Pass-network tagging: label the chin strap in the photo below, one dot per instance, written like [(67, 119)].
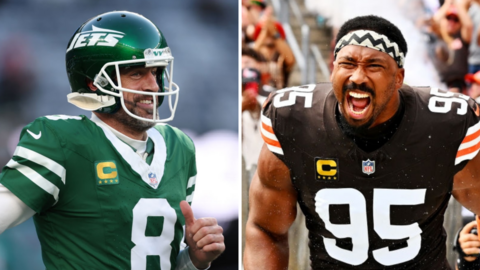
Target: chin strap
[(90, 101)]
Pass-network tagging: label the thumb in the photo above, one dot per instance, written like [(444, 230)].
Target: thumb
[(468, 227), (187, 213), (478, 224)]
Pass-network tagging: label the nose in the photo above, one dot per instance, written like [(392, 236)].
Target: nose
[(150, 83), (358, 76)]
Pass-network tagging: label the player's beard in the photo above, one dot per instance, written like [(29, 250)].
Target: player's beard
[(363, 130), (355, 130), (349, 126), (130, 122)]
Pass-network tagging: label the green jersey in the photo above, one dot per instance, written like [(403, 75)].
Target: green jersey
[(98, 204)]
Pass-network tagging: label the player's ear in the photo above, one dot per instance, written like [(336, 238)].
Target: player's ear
[(331, 73), (399, 76), (90, 84)]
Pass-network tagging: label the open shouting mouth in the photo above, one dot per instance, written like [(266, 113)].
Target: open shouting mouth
[(358, 104)]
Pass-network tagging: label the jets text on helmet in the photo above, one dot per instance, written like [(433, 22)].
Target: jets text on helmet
[(96, 37)]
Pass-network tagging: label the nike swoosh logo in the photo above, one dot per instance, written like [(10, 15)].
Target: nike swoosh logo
[(35, 136)]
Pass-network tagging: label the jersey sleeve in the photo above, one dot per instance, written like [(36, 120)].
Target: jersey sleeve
[(269, 120), (192, 176), (185, 151), (36, 172), (470, 145)]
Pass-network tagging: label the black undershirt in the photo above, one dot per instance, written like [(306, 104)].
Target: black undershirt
[(373, 138)]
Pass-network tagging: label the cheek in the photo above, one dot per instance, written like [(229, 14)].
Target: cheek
[(127, 96), (129, 84), (337, 84)]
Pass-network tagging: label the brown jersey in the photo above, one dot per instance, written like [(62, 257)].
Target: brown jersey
[(382, 209)]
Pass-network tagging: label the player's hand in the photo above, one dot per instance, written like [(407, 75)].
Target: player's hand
[(203, 236), (469, 242)]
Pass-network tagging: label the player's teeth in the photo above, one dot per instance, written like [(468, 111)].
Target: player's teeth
[(146, 101), (360, 112), (358, 95)]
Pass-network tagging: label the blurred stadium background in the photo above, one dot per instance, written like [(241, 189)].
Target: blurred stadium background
[(203, 36)]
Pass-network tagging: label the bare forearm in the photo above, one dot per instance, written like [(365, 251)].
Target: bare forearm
[(265, 251), (285, 50), (469, 198)]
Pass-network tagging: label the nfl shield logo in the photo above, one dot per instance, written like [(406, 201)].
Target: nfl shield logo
[(368, 166), (153, 179)]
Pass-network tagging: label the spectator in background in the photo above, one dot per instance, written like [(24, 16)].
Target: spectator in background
[(467, 243), (247, 26), (473, 18), (254, 92), (253, 59), (474, 81), (451, 50), (270, 41), (252, 11), (251, 138)]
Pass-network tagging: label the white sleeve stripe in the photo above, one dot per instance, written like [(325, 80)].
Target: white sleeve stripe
[(190, 197), (469, 144), (473, 129), (41, 160), (266, 120), (191, 181), (275, 149), (466, 157), (268, 134), (36, 178)]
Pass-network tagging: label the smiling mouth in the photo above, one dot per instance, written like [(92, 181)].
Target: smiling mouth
[(145, 101), (358, 102)]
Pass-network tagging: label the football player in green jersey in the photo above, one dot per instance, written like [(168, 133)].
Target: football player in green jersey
[(113, 191)]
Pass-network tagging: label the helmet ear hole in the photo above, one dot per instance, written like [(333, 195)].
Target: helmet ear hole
[(90, 84)]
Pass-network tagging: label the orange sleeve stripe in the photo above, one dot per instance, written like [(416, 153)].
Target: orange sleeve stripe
[(270, 141), (267, 128), (469, 150), (471, 137)]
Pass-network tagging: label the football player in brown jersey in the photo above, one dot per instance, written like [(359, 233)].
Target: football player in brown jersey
[(371, 161)]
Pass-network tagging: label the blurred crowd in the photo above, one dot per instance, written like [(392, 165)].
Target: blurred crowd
[(266, 65)]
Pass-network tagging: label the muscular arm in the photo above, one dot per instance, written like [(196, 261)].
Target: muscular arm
[(273, 209), (12, 210), (466, 185)]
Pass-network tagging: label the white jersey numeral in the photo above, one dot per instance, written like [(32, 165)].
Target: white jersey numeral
[(441, 102), (357, 230), (302, 91), (152, 245)]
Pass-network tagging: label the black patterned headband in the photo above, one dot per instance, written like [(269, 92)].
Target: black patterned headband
[(373, 40)]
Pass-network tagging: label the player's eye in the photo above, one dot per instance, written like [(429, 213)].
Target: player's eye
[(375, 66), (346, 64)]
